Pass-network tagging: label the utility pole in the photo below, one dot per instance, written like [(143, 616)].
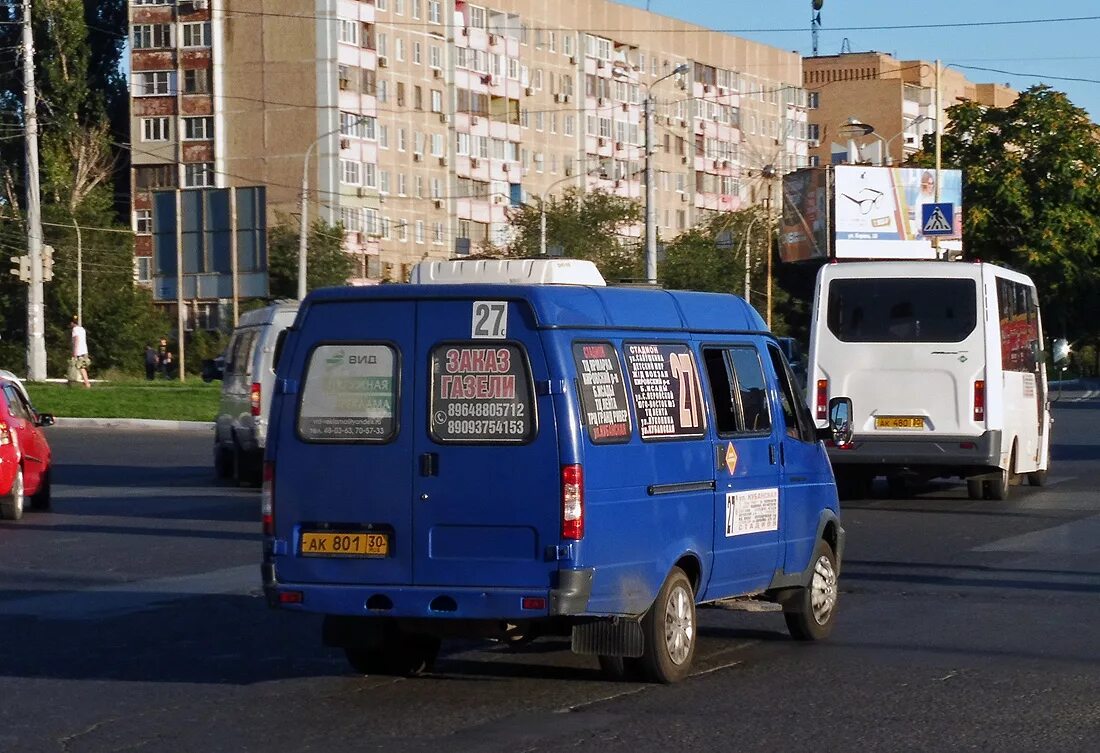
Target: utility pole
[(939, 119), (36, 342), (770, 174), (650, 203)]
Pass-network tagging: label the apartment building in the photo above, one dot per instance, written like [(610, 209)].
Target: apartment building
[(896, 97), (418, 124)]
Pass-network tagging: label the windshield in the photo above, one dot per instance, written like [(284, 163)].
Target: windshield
[(926, 310)]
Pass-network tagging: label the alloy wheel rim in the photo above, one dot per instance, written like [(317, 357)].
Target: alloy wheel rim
[(823, 591), (679, 625)]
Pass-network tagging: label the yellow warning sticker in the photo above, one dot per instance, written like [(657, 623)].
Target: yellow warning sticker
[(731, 458)]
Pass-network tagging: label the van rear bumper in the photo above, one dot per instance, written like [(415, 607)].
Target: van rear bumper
[(942, 451), (437, 602)]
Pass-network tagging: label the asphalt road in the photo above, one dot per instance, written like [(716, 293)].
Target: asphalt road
[(131, 619)]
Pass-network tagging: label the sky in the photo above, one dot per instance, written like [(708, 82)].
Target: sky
[(1022, 54)]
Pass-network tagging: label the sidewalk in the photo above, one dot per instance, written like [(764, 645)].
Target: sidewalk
[(134, 423)]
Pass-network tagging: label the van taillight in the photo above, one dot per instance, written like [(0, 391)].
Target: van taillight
[(572, 502), (254, 398), (979, 400), (822, 400), (267, 499), (5, 434)]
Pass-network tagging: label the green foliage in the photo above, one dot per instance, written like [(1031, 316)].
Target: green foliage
[(327, 264), (587, 226), (167, 400), (1031, 179)]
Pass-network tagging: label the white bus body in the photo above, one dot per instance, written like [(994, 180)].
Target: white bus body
[(944, 364)]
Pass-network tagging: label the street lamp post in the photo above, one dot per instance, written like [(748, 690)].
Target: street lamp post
[(650, 204), (913, 122), (542, 206)]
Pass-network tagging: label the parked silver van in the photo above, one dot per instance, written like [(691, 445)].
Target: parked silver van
[(247, 383)]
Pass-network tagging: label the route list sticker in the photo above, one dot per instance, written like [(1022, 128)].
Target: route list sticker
[(603, 394), (752, 511), (665, 388)]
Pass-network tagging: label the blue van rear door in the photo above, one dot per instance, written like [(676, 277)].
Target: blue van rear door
[(343, 494), (487, 471)]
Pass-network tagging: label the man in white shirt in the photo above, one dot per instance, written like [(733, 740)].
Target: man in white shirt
[(80, 359)]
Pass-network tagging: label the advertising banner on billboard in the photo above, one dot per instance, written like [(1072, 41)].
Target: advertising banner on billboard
[(878, 211), (804, 229)]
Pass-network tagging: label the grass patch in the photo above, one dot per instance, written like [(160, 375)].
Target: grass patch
[(193, 400)]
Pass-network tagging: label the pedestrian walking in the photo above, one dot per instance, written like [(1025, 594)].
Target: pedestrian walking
[(151, 361), (164, 359), (80, 360)]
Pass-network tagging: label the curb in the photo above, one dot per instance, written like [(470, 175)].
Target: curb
[(135, 423)]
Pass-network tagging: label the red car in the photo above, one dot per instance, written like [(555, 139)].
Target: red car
[(25, 458)]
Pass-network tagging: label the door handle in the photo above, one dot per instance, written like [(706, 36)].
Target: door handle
[(771, 454), (429, 464)]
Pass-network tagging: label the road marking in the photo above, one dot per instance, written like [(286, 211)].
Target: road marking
[(116, 599)]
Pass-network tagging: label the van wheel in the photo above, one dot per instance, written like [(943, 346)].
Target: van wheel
[(998, 488), (854, 486), (398, 653), (620, 667), (811, 614), (11, 505), (975, 488), (1037, 478), (40, 500), (670, 631)]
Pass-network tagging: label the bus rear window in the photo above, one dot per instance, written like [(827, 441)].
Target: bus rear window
[(902, 310), (481, 394), (350, 394)]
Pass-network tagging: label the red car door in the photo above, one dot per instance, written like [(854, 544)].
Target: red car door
[(32, 445)]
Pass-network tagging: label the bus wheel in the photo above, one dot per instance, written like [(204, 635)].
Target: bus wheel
[(1038, 478), (670, 631), (998, 488), (811, 614)]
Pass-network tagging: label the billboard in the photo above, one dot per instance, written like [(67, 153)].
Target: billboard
[(877, 210), (804, 227)]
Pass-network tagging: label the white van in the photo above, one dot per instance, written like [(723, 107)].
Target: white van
[(945, 367), (247, 383)]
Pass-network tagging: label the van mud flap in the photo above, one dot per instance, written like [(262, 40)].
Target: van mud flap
[(615, 636)]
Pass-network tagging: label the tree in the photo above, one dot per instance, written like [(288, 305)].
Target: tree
[(1031, 178), (588, 226), (327, 264)]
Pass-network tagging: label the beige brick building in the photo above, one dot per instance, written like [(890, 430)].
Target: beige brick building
[(425, 120), (897, 97)]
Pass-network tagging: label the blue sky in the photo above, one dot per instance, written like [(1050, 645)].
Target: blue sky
[(1042, 50)]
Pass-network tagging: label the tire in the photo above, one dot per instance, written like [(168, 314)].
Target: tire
[(223, 462), (620, 667), (1037, 478), (854, 486), (811, 614), (11, 505), (975, 488), (670, 630), (394, 652), (41, 499)]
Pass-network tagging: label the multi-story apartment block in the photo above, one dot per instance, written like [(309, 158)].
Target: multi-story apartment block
[(896, 97), (419, 123)]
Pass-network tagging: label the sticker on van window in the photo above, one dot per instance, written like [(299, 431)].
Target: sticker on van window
[(603, 394), (349, 394), (665, 387), (480, 394), (752, 511)]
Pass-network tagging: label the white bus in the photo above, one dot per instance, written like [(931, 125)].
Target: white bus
[(944, 364)]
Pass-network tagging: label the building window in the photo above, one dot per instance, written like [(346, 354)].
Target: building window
[(399, 48), (144, 267), (399, 7), (198, 175), (370, 175), (437, 144), (437, 233), (435, 14), (402, 230), (383, 181), (198, 129), (420, 231), (402, 184), (156, 129), (416, 53), (143, 221), (383, 137), (351, 172), (196, 81), (154, 83), (156, 176), (152, 36), (813, 100), (349, 31), (437, 100), (477, 17), (196, 35), (435, 56)]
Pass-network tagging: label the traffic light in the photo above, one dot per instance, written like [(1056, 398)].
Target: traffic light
[(23, 268), (47, 263)]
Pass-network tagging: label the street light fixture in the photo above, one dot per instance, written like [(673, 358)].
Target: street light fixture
[(852, 130), (650, 204), (902, 132), (542, 204)]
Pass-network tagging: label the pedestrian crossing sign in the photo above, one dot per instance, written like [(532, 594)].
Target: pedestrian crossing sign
[(937, 218)]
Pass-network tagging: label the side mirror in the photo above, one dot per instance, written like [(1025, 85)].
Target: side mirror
[(45, 419), (1061, 350), (840, 420)]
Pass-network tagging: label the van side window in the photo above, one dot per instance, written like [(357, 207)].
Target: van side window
[(481, 394), (753, 388), (665, 388), (350, 394), (723, 394), (602, 392), (798, 425)]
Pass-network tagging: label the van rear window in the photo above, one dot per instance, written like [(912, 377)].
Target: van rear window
[(902, 310), (350, 394), (481, 394)]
